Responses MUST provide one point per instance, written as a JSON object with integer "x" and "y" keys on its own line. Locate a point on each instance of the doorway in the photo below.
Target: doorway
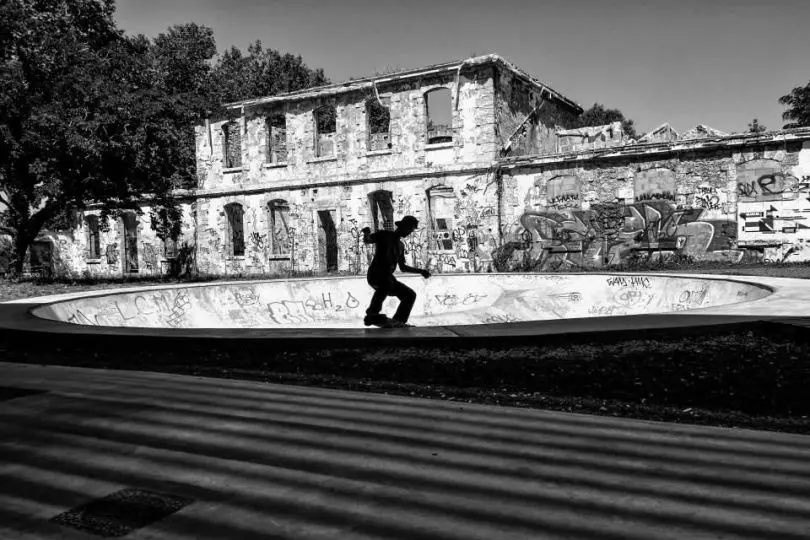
{"x": 327, "y": 241}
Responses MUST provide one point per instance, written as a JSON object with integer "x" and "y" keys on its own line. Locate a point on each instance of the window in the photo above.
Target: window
{"x": 232, "y": 146}
{"x": 276, "y": 138}
{"x": 439, "y": 113}
{"x": 93, "y": 238}
{"x": 279, "y": 227}
{"x": 382, "y": 210}
{"x": 379, "y": 124}
{"x": 441, "y": 202}
{"x": 325, "y": 129}
{"x": 236, "y": 234}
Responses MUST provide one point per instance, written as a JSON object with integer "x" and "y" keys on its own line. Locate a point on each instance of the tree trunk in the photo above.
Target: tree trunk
{"x": 21, "y": 243}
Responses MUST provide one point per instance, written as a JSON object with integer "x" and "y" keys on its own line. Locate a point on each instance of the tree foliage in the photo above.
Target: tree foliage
{"x": 598, "y": 115}
{"x": 90, "y": 115}
{"x": 798, "y": 107}
{"x": 262, "y": 72}
{"x": 755, "y": 127}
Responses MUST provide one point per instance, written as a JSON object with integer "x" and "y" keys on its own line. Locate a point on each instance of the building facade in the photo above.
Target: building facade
{"x": 485, "y": 156}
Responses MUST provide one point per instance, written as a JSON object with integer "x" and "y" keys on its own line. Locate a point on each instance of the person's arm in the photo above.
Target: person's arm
{"x": 409, "y": 269}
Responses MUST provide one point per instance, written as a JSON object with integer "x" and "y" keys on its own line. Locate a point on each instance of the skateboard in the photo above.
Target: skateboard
{"x": 382, "y": 321}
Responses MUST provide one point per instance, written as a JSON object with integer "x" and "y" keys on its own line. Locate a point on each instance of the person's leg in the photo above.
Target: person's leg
{"x": 375, "y": 306}
{"x": 407, "y": 297}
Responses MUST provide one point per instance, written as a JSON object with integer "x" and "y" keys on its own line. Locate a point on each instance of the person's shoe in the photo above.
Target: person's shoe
{"x": 375, "y": 320}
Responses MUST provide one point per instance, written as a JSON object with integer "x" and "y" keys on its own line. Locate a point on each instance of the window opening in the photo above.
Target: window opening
{"x": 276, "y": 139}
{"x": 325, "y": 129}
{"x": 441, "y": 204}
{"x": 130, "y": 247}
{"x": 382, "y": 210}
{"x": 236, "y": 234}
{"x": 379, "y": 125}
{"x": 93, "y": 238}
{"x": 232, "y": 145}
{"x": 279, "y": 227}
{"x": 439, "y": 107}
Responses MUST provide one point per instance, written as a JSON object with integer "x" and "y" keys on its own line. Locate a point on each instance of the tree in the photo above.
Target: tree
{"x": 598, "y": 115}
{"x": 755, "y": 127}
{"x": 263, "y": 72}
{"x": 798, "y": 103}
{"x": 90, "y": 115}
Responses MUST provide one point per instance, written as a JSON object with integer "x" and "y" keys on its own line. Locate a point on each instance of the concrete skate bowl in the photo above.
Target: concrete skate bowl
{"x": 448, "y": 305}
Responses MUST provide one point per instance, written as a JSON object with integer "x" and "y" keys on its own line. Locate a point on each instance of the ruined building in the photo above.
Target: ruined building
{"x": 484, "y": 156}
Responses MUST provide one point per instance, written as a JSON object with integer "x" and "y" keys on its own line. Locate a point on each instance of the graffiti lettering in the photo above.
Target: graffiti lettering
{"x": 454, "y": 300}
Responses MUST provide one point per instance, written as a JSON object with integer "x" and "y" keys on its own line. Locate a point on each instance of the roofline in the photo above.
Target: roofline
{"x": 370, "y": 82}
{"x": 734, "y": 141}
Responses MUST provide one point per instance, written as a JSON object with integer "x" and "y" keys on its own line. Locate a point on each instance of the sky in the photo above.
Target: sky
{"x": 686, "y": 62}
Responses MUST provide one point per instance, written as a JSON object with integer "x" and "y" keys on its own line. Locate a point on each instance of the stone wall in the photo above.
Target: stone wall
{"x": 515, "y": 99}
{"x": 467, "y": 237}
{"x": 719, "y": 205}
{"x": 473, "y": 127}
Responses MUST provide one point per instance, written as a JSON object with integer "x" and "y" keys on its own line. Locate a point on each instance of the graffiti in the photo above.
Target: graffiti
{"x": 449, "y": 300}
{"x": 706, "y": 198}
{"x": 500, "y": 319}
{"x": 310, "y": 310}
{"x": 565, "y": 200}
{"x": 149, "y": 256}
{"x": 656, "y": 196}
{"x": 258, "y": 241}
{"x": 179, "y": 309}
{"x": 245, "y": 296}
{"x": 609, "y": 234}
{"x": 111, "y": 251}
{"x": 487, "y": 212}
{"x": 572, "y": 297}
{"x": 767, "y": 187}
{"x": 631, "y": 281}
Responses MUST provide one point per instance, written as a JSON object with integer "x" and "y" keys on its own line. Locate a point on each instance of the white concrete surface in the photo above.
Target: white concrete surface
{"x": 446, "y": 299}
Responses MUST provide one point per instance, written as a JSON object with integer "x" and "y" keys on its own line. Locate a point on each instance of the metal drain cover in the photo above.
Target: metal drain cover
{"x": 10, "y": 392}
{"x": 122, "y": 512}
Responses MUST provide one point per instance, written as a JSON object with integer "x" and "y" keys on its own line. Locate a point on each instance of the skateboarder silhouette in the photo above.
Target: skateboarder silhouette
{"x": 390, "y": 252}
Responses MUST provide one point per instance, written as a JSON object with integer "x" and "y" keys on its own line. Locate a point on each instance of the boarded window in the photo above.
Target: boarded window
{"x": 441, "y": 204}
{"x": 654, "y": 184}
{"x": 563, "y": 192}
{"x": 439, "y": 112}
{"x": 279, "y": 227}
{"x": 325, "y": 129}
{"x": 170, "y": 248}
{"x": 236, "y": 234}
{"x": 379, "y": 124}
{"x": 382, "y": 210}
{"x": 232, "y": 145}
{"x": 93, "y": 238}
{"x": 276, "y": 139}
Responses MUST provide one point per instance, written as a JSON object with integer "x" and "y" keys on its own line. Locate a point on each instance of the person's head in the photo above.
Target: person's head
{"x": 407, "y": 225}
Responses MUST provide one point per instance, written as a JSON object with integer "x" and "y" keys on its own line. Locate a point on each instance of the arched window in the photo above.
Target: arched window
{"x": 441, "y": 202}
{"x": 279, "y": 214}
{"x": 379, "y": 125}
{"x": 93, "y": 237}
{"x": 439, "y": 114}
{"x": 235, "y": 229}
{"x": 325, "y": 129}
{"x": 232, "y": 145}
{"x": 276, "y": 126}
{"x": 382, "y": 210}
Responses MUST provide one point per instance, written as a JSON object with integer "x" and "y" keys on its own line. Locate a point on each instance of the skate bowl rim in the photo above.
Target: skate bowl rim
{"x": 17, "y": 316}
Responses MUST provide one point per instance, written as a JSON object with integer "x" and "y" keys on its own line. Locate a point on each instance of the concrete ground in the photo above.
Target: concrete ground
{"x": 251, "y": 460}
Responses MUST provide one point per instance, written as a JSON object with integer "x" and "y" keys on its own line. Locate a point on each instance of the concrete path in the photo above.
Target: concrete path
{"x": 253, "y": 460}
